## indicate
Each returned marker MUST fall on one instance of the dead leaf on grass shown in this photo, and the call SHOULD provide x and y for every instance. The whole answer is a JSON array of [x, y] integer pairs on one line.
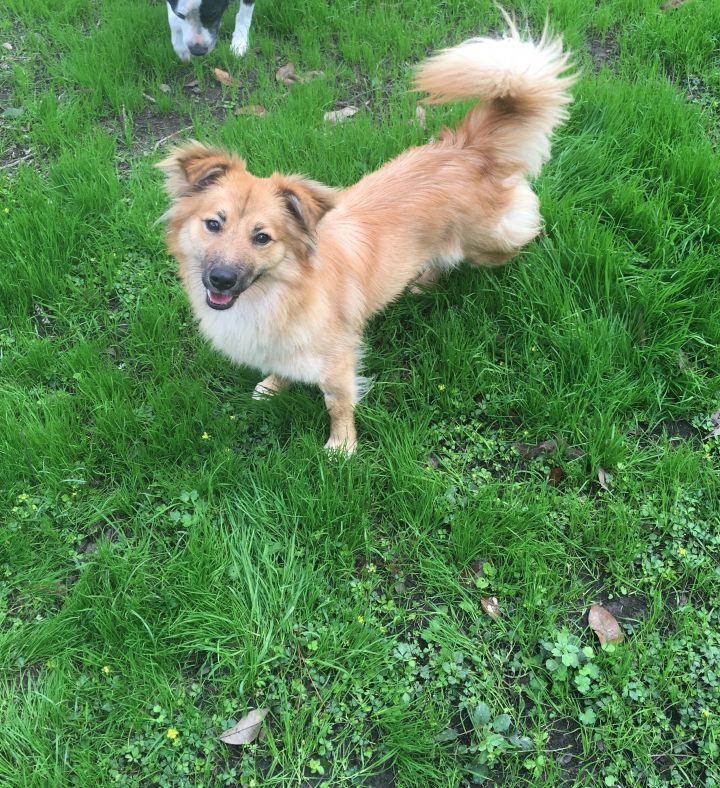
[[420, 115], [474, 572], [670, 4], [603, 478], [252, 109], [604, 624], [308, 75], [532, 452], [193, 83], [339, 115], [165, 88], [433, 460], [556, 475], [491, 606], [247, 730], [7, 45], [574, 453], [286, 74], [225, 78], [715, 419]]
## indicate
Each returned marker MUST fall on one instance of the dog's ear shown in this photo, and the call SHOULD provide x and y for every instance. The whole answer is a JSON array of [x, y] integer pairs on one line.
[[306, 201], [194, 166]]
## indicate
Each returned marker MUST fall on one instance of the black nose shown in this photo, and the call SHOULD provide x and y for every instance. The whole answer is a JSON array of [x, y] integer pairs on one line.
[[198, 49], [222, 277]]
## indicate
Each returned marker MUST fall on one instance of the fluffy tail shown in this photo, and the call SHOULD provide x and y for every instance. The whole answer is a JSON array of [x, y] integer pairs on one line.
[[522, 89]]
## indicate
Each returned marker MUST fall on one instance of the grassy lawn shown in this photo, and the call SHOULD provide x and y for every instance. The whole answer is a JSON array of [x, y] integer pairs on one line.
[[174, 554]]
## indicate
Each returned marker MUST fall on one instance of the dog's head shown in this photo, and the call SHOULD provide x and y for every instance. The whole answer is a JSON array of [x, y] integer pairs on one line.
[[198, 21], [229, 229]]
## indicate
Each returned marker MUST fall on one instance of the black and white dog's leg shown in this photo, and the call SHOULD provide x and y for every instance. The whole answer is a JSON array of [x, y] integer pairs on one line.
[[243, 19], [178, 38]]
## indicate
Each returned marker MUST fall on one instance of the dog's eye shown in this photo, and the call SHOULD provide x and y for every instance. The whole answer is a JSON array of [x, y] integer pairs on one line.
[[213, 225], [261, 239]]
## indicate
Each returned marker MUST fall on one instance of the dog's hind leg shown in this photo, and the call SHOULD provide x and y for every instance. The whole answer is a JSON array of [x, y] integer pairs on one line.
[[243, 20], [339, 387]]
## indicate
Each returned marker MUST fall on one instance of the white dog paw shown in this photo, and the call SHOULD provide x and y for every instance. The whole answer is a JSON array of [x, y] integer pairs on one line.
[[339, 447], [239, 46]]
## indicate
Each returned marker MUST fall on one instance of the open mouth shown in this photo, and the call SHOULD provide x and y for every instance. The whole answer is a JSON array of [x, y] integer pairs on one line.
[[217, 300]]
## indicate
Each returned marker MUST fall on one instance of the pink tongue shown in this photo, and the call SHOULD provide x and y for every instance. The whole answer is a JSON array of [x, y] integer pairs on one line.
[[220, 298]]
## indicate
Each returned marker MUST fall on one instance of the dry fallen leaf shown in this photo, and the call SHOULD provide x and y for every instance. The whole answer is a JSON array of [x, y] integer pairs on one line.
[[286, 74], [252, 109], [433, 460], [669, 4], [7, 45], [165, 88], [490, 606], [420, 115], [605, 625], [556, 475], [715, 419], [193, 83], [339, 115], [475, 571], [573, 453], [531, 452], [247, 730], [603, 479], [224, 78], [308, 75]]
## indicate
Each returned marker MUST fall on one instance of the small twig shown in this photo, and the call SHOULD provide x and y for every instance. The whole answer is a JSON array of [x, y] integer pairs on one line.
[[304, 667], [170, 136], [15, 162]]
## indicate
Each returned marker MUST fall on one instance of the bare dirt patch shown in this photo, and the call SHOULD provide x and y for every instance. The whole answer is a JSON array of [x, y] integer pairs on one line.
[[604, 52]]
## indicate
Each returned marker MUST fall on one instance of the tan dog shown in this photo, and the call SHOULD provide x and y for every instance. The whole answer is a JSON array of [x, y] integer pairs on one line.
[[283, 272]]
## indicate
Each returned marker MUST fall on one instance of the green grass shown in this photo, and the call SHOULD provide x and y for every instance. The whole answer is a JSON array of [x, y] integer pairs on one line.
[[153, 579]]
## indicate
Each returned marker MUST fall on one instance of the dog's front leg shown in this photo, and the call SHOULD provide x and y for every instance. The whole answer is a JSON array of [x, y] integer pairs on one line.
[[339, 390], [241, 35], [269, 386], [178, 39]]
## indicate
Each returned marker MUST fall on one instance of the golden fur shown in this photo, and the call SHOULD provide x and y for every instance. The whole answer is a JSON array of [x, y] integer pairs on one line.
[[301, 300]]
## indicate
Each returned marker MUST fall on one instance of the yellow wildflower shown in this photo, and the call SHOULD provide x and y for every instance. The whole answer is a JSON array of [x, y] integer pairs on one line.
[[205, 436], [172, 733], [361, 619], [106, 669], [682, 552]]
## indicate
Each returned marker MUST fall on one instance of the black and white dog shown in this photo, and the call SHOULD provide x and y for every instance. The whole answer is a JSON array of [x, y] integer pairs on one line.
[[194, 25]]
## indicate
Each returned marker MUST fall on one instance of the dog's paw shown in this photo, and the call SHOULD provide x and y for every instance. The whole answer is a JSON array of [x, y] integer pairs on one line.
[[269, 386], [261, 393], [341, 447], [239, 45]]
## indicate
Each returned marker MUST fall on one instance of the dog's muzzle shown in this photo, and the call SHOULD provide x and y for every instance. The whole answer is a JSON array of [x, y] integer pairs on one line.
[[224, 283]]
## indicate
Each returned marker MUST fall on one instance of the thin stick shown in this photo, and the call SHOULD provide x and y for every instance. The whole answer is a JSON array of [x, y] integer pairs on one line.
[[170, 136]]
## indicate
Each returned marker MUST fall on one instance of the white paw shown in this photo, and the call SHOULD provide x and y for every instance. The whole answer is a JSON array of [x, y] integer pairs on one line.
[[239, 46], [341, 446], [260, 392]]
